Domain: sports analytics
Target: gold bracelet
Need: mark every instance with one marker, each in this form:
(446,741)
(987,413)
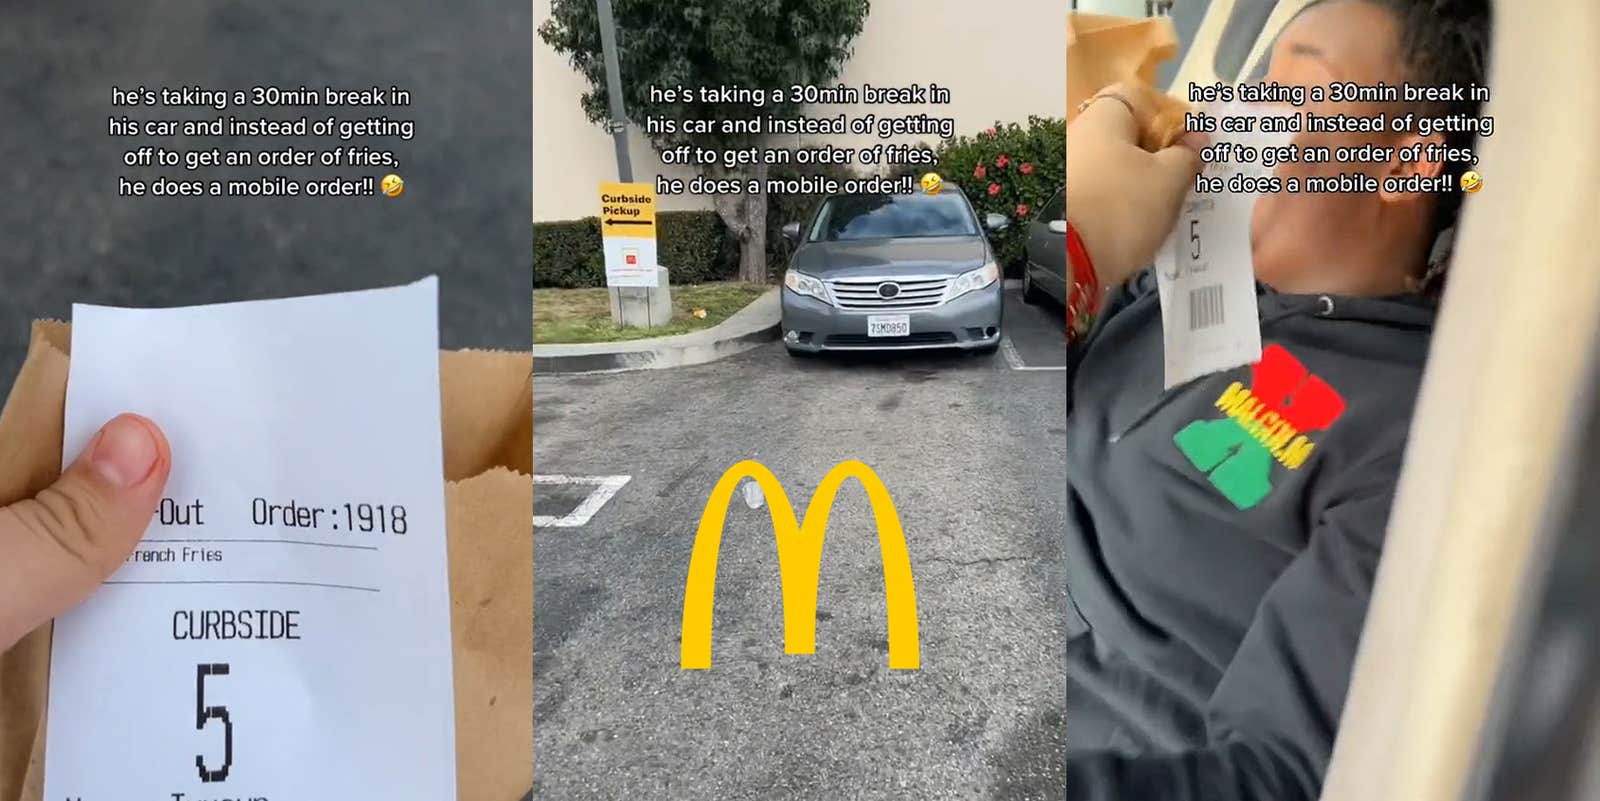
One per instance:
(1109,96)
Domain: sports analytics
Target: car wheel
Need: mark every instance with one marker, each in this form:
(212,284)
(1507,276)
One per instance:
(1030,290)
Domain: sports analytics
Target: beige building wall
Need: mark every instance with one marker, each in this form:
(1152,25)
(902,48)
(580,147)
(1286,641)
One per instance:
(1000,59)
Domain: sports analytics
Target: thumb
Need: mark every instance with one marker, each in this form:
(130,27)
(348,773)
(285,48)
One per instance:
(57,547)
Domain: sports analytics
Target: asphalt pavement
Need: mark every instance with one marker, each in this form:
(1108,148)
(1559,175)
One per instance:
(970,448)
(66,236)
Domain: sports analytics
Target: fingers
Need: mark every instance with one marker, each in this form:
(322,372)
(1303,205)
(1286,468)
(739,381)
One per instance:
(1133,113)
(1178,164)
(57,547)
(1166,129)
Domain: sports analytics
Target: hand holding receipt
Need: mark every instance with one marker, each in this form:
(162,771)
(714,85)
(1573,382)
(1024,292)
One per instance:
(1204,271)
(283,631)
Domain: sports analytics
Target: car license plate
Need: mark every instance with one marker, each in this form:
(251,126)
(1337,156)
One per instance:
(889,325)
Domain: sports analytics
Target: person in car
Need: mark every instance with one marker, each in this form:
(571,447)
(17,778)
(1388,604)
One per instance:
(1223,536)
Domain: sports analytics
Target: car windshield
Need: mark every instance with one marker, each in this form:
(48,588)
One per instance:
(845,217)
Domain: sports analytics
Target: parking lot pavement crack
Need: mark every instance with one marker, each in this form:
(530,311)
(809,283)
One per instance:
(987,561)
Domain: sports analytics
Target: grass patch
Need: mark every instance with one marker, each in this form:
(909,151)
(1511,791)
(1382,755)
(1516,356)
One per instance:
(584,315)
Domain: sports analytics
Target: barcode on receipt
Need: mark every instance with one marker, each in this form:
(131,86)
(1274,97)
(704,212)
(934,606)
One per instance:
(1205,307)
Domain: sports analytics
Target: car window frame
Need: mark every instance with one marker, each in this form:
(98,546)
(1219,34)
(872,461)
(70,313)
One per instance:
(1241,32)
(1061,195)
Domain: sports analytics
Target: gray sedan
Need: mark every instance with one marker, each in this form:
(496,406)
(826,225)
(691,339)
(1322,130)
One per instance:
(1045,274)
(893,272)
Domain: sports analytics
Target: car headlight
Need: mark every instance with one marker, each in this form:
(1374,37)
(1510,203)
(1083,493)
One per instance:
(805,285)
(974,280)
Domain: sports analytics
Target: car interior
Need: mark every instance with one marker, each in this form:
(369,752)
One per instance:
(1479,669)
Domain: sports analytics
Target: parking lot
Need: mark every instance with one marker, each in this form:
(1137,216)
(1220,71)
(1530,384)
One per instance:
(969,447)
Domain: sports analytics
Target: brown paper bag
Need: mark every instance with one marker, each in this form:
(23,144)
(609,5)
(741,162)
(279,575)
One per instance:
(1103,50)
(487,407)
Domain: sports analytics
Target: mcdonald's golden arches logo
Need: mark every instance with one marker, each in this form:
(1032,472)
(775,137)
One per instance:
(800,564)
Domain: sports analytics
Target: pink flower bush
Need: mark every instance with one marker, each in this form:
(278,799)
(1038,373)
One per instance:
(1009,169)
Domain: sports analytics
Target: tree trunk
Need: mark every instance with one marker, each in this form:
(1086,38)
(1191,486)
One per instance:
(753,254)
(745,215)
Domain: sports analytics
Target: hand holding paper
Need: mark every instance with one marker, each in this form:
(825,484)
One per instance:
(485,400)
(1125,174)
(56,547)
(1205,270)
(1121,198)
(286,616)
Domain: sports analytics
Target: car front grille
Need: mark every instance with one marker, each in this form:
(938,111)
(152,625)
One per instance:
(867,294)
(862,340)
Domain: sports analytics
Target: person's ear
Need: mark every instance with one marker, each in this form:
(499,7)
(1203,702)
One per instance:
(1427,161)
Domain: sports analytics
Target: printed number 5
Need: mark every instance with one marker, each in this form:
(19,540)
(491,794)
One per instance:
(1194,239)
(205,713)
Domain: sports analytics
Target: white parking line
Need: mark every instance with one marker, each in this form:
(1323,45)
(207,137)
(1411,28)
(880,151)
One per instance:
(1014,359)
(604,488)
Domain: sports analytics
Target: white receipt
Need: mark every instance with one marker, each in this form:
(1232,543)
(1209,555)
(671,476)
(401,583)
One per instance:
(283,630)
(1204,271)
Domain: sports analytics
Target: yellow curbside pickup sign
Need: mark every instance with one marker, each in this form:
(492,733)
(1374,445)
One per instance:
(628,234)
(628,210)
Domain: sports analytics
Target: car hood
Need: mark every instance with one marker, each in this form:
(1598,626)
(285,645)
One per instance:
(890,258)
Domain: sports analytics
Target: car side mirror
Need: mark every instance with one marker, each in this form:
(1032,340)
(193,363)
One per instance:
(791,232)
(1058,227)
(996,222)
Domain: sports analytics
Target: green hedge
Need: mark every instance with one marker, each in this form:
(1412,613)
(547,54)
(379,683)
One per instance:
(692,244)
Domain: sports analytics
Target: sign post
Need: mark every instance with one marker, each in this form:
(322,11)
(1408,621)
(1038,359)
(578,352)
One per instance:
(632,302)
(628,233)
(618,125)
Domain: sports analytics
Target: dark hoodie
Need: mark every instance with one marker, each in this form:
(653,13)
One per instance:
(1221,543)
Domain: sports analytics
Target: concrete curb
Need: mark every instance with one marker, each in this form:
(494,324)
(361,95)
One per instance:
(750,327)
